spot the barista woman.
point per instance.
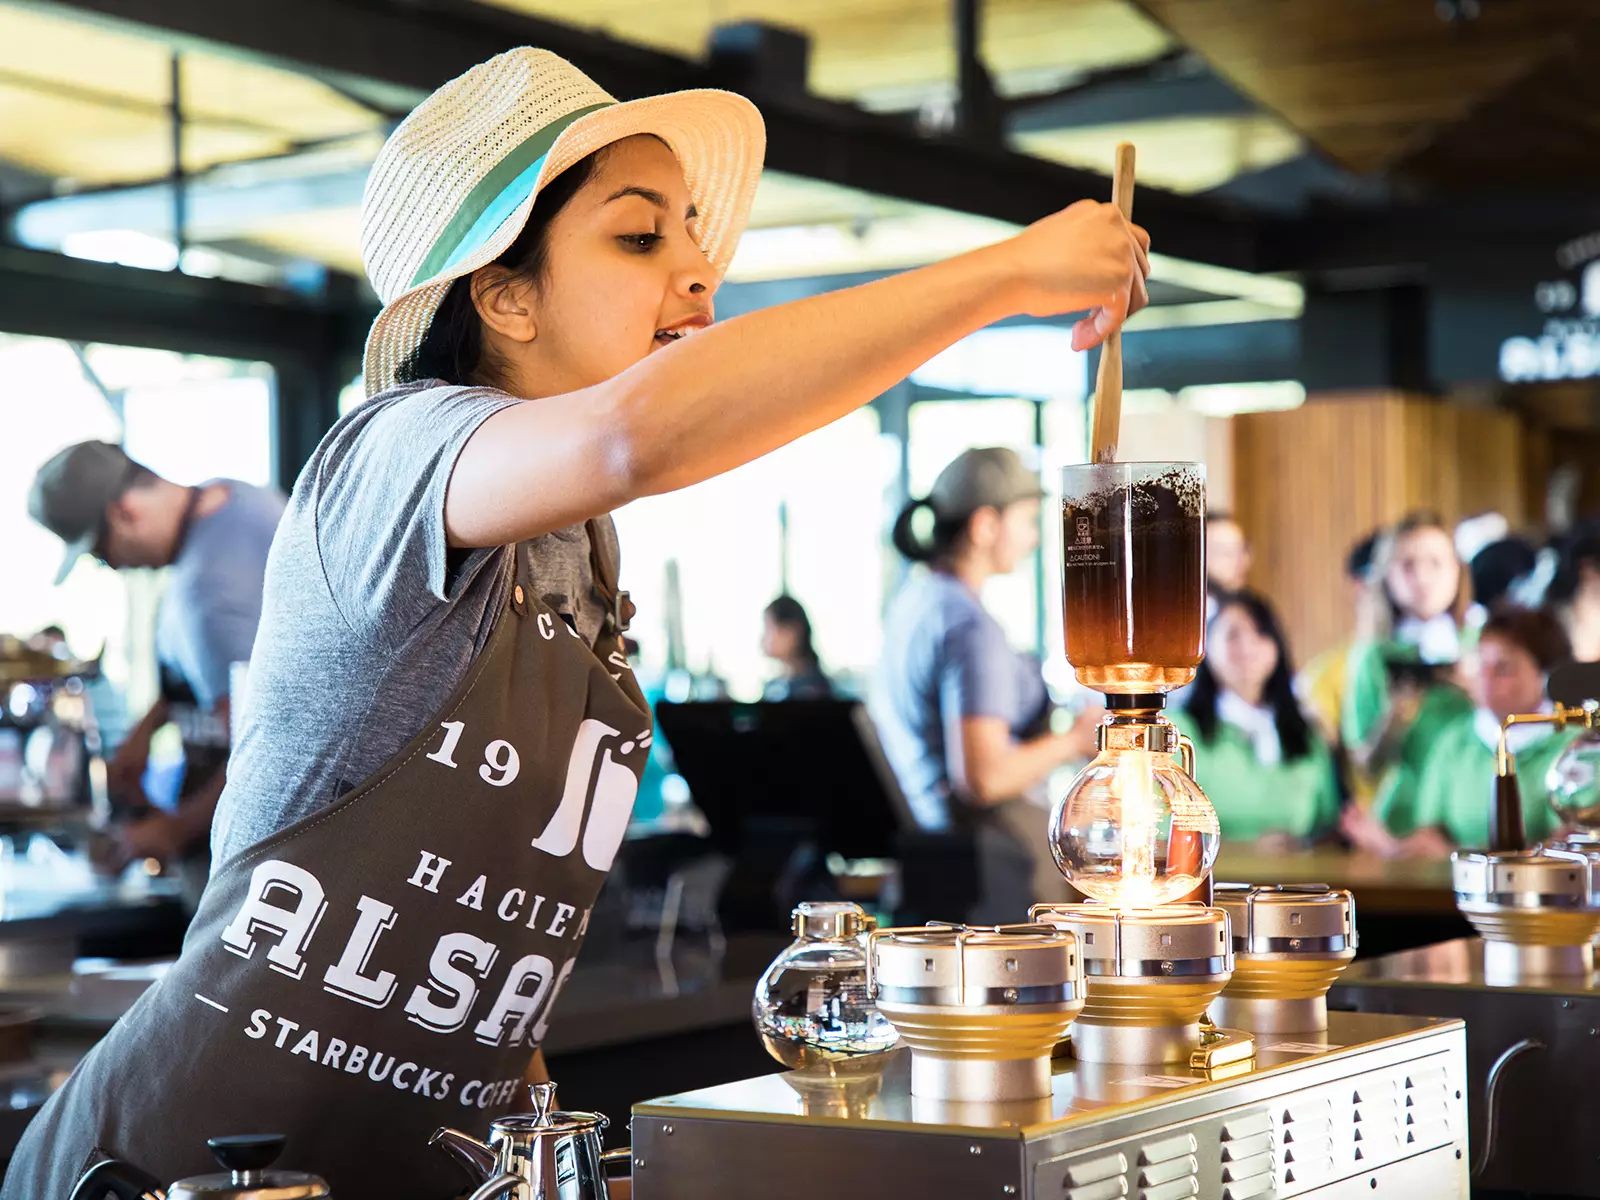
(1269, 775)
(1401, 686)
(1517, 648)
(964, 718)
(443, 737)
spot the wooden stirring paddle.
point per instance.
(1107, 420)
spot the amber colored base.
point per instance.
(1134, 679)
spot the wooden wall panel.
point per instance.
(1310, 482)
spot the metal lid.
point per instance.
(1172, 939)
(830, 920)
(1310, 919)
(546, 1117)
(1539, 878)
(958, 965)
(247, 1158)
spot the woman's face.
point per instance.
(1241, 656)
(1424, 574)
(1015, 537)
(779, 639)
(1227, 556)
(624, 277)
(1506, 679)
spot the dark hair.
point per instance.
(1294, 734)
(1534, 630)
(786, 610)
(452, 349)
(947, 531)
(1359, 560)
(1573, 548)
(1497, 566)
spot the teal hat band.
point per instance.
(496, 196)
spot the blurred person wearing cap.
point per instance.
(214, 540)
(444, 736)
(964, 718)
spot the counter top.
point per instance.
(1381, 885)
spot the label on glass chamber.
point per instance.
(1080, 547)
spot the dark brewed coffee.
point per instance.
(1133, 575)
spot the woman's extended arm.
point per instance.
(740, 389)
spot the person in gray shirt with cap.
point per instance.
(215, 538)
(964, 718)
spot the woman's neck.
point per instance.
(967, 569)
(1251, 696)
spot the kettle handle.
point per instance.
(115, 1178)
(504, 1184)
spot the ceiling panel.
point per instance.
(1374, 81)
(90, 106)
(860, 48)
(1185, 154)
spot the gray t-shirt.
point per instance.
(369, 620)
(945, 658)
(208, 614)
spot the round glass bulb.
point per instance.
(1134, 830)
(1573, 783)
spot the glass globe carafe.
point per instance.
(1134, 830)
(1573, 783)
(811, 1006)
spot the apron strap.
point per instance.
(603, 563)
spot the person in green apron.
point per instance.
(1268, 773)
(1401, 689)
(442, 740)
(1507, 672)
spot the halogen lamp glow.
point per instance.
(1134, 830)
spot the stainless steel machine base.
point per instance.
(1373, 1107)
(1095, 1043)
(964, 1078)
(1271, 1016)
(1507, 962)
(1533, 1054)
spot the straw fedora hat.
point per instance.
(453, 185)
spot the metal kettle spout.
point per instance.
(476, 1157)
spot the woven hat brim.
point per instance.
(720, 142)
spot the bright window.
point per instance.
(724, 540)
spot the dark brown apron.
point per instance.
(387, 965)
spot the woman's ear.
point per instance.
(983, 527)
(504, 301)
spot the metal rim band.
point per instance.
(1526, 899)
(1335, 944)
(976, 997)
(1141, 967)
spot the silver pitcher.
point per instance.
(248, 1175)
(542, 1155)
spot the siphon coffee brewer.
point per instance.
(1134, 830)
